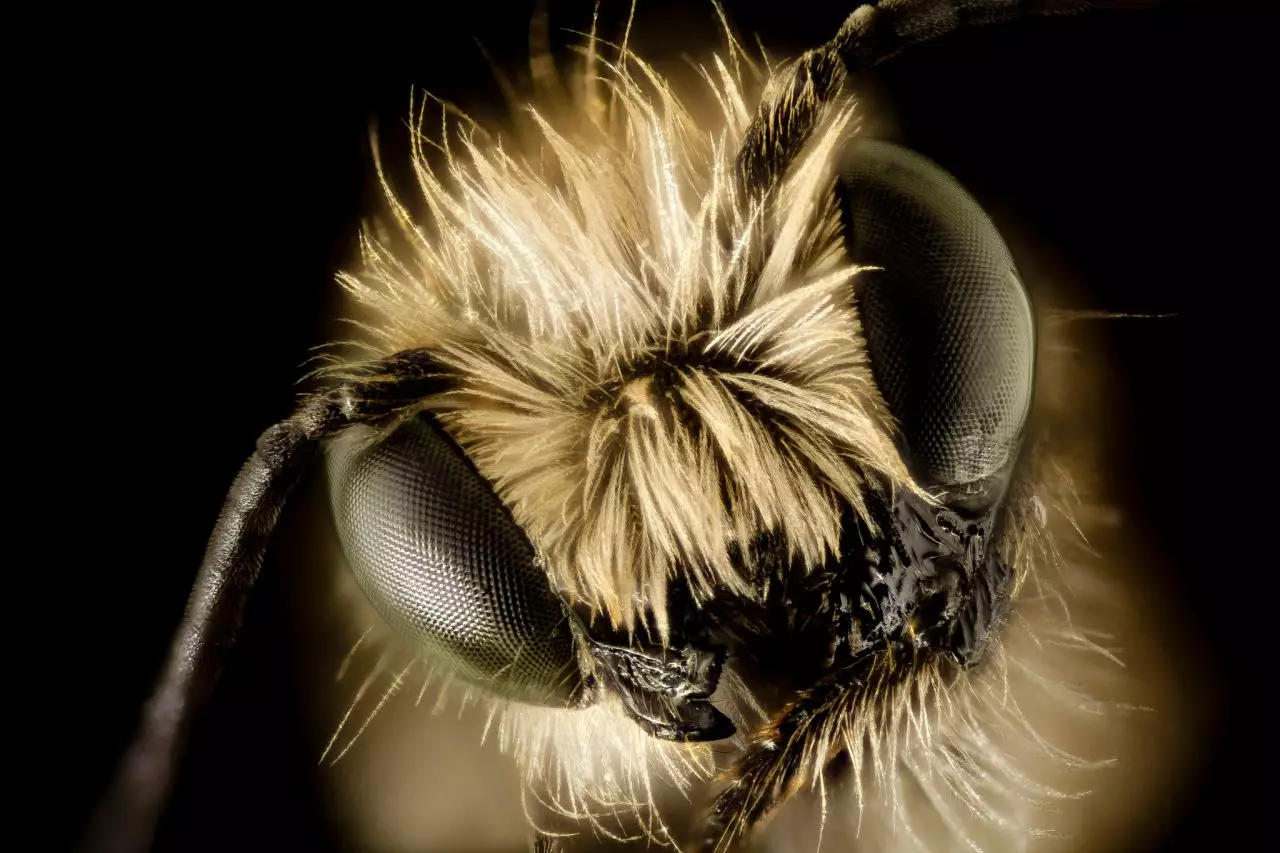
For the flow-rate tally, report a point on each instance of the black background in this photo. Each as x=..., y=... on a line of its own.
x=205, y=173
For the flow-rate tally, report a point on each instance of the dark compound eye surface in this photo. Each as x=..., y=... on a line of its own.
x=443, y=561
x=949, y=328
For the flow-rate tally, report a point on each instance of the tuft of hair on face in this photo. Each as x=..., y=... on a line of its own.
x=651, y=363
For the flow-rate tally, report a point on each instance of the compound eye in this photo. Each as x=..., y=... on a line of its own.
x=442, y=560
x=949, y=328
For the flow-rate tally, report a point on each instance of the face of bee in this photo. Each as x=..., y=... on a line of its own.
x=388, y=789
x=677, y=428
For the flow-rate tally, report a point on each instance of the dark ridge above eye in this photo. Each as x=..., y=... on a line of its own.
x=440, y=557
x=947, y=321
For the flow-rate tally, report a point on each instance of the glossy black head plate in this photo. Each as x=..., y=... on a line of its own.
x=445, y=564
x=948, y=324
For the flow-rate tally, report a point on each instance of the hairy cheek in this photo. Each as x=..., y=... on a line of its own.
x=1114, y=743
